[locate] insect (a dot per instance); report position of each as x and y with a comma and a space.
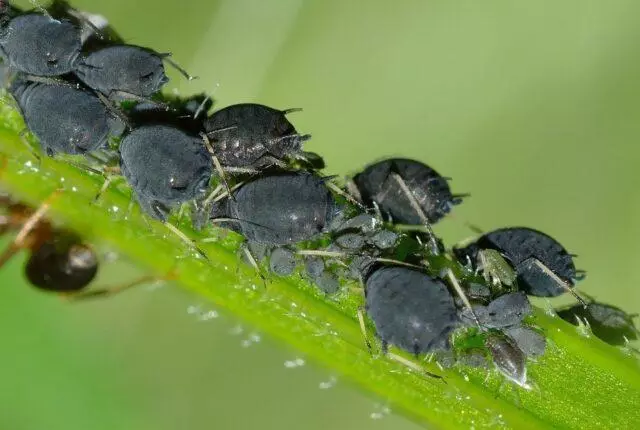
38, 44
247, 137
165, 167
506, 310
408, 191
607, 322
508, 358
65, 118
279, 209
410, 309
125, 70
543, 266
59, 260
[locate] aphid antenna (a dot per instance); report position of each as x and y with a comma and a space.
416, 207
113, 110
556, 278
186, 240
340, 254
166, 56
84, 20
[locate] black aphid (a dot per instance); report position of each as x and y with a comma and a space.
531, 342
609, 323
279, 209
252, 136
37, 44
165, 167
543, 266
410, 309
507, 310
123, 70
406, 190
65, 118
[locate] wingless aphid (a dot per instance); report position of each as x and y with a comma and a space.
543, 266
609, 323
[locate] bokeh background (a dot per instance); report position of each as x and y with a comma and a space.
532, 107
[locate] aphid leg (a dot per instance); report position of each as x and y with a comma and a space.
352, 189
28, 145
216, 164
413, 366
456, 286
414, 204
540, 265
166, 56
252, 261
363, 329
48, 80
333, 187
186, 240
201, 107
580, 275
37, 6
24, 235
113, 110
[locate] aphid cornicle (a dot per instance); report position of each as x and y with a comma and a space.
410, 309
37, 44
165, 167
543, 266
609, 323
253, 136
65, 118
388, 182
279, 209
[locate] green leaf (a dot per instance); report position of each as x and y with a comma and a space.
580, 382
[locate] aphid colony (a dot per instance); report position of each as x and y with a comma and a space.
244, 168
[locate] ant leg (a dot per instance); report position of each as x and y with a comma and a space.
103, 292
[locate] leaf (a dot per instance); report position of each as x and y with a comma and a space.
580, 381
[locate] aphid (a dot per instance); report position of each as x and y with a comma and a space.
543, 266
165, 167
408, 191
65, 118
495, 269
508, 358
410, 309
506, 310
282, 261
279, 209
251, 136
532, 343
59, 260
37, 44
608, 323
124, 70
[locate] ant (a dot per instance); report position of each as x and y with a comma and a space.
59, 260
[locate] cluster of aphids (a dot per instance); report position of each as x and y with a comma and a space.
82, 91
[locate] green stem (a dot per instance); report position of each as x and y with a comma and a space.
581, 382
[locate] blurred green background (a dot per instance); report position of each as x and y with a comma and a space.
533, 107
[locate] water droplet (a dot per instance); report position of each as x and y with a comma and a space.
330, 383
